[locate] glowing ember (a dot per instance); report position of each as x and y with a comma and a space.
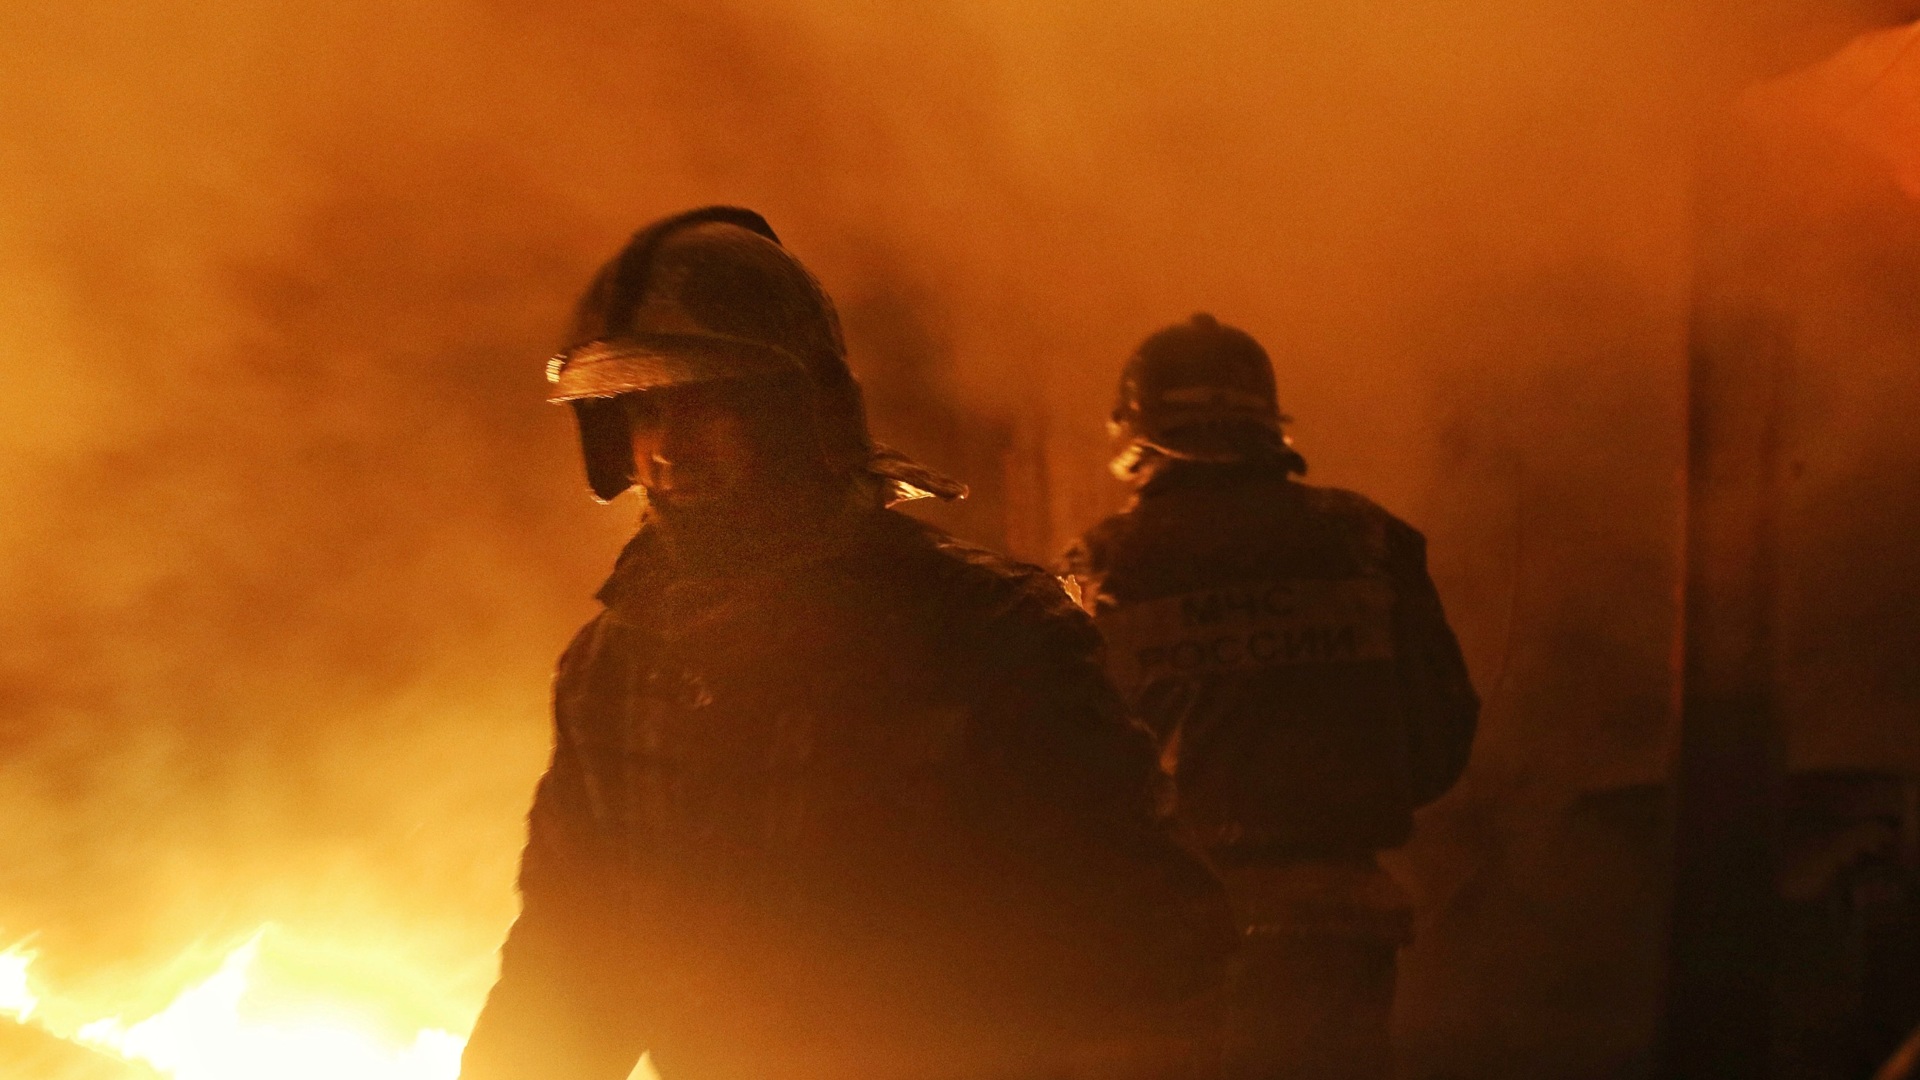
206, 1034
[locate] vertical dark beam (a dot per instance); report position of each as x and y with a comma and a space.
1727, 765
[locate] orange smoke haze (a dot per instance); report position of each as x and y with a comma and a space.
290, 540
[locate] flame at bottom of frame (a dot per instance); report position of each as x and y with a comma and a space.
207, 1033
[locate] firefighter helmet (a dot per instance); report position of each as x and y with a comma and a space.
1199, 391
710, 296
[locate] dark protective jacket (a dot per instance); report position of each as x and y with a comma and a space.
867, 809
1288, 647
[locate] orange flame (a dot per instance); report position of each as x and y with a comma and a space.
17, 999
206, 1034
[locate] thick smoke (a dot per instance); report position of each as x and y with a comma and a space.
290, 540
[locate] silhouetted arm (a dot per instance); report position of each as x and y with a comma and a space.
564, 1007
1442, 708
1084, 790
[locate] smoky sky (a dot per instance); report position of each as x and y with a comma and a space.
288, 538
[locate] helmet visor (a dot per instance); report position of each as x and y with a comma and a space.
626, 365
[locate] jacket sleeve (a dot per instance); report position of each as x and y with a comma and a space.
1083, 790
562, 1008
1442, 708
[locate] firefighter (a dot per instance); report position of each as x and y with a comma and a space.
832, 795
1287, 647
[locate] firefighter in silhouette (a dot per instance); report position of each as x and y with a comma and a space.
832, 795
1287, 647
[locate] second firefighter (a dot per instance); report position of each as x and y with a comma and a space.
1288, 648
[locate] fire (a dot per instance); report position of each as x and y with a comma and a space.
214, 1030
17, 999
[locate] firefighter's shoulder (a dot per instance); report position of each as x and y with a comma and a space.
1364, 517
975, 586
